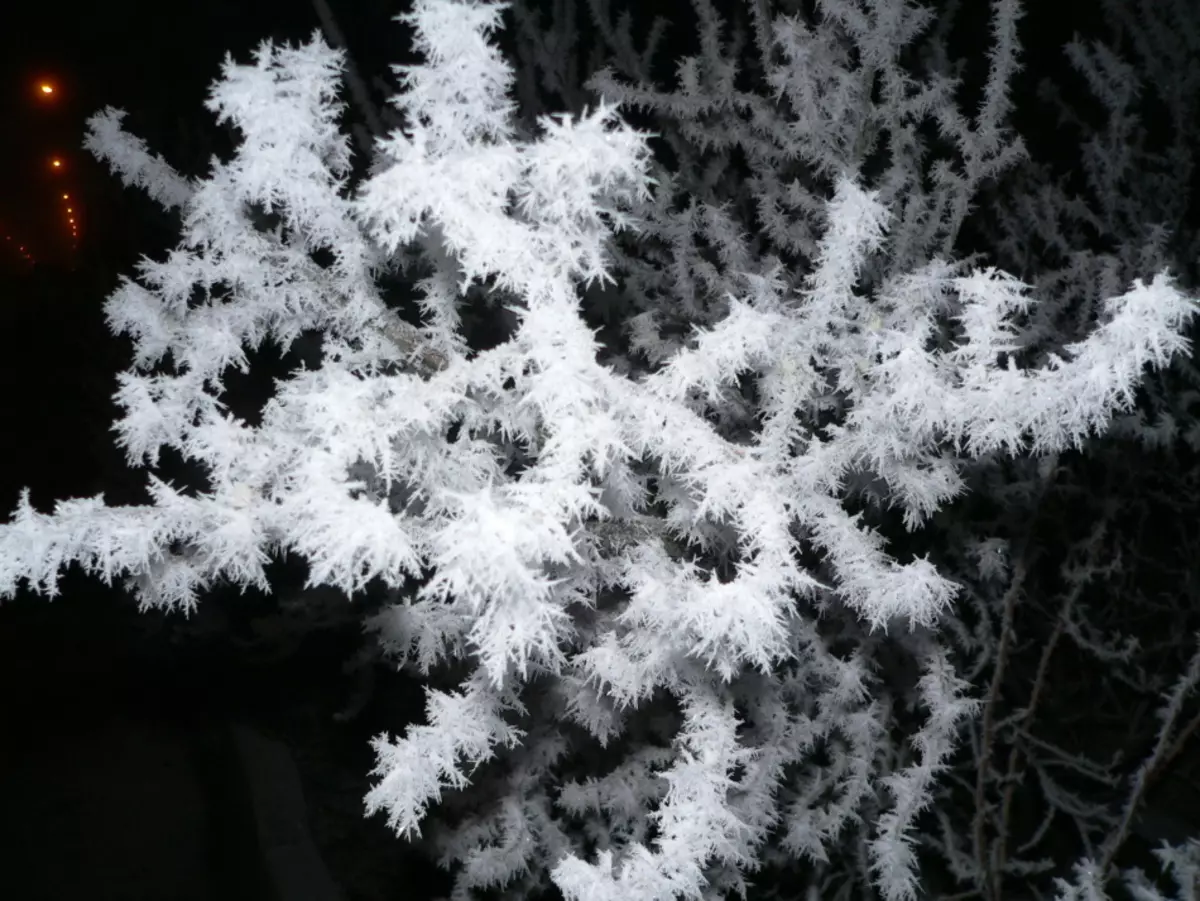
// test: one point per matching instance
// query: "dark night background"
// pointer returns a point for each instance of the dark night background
(118, 771)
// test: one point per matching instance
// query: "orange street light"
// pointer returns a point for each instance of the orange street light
(66, 197)
(57, 164)
(47, 93)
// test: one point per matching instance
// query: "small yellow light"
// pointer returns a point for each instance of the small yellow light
(56, 163)
(66, 197)
(47, 88)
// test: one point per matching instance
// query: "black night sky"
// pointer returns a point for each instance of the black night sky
(155, 60)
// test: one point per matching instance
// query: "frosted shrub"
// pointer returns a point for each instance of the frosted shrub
(650, 550)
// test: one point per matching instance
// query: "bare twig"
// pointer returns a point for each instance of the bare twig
(1164, 749)
(1014, 754)
(990, 874)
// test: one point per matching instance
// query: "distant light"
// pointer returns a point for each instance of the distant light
(56, 163)
(66, 197)
(47, 89)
